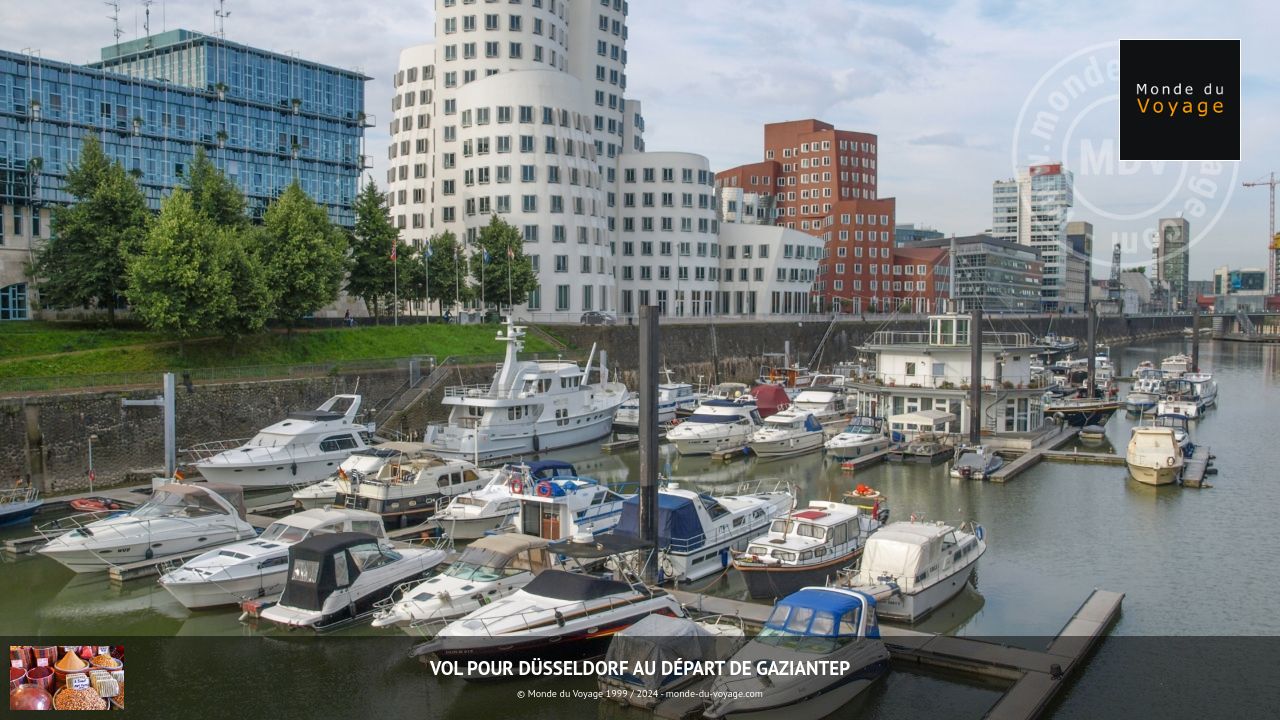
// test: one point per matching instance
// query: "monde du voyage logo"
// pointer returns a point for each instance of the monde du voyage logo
(1180, 99)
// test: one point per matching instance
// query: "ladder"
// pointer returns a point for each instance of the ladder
(817, 353)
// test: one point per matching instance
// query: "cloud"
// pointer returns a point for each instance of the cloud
(943, 139)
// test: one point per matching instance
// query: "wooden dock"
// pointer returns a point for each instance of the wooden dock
(626, 443)
(731, 454)
(1032, 457)
(1083, 457)
(1035, 676)
(1197, 467)
(854, 464)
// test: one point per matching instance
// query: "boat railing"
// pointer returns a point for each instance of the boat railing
(205, 450)
(19, 495)
(81, 521)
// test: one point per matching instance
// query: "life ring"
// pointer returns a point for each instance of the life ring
(863, 490)
(1170, 398)
(516, 484)
(1170, 460)
(543, 489)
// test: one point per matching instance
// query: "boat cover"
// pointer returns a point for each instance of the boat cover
(770, 398)
(677, 519)
(819, 611)
(315, 565)
(544, 469)
(563, 585)
(659, 639)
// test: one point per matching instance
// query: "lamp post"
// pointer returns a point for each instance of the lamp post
(92, 437)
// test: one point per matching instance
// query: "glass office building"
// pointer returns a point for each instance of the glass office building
(264, 118)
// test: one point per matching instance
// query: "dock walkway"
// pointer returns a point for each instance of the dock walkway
(1032, 457)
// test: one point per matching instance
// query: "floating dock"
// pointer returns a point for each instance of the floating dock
(1197, 467)
(1035, 676)
(857, 463)
(626, 443)
(1031, 457)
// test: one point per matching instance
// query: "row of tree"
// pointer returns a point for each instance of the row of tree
(201, 267)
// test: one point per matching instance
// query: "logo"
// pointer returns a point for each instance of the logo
(1180, 99)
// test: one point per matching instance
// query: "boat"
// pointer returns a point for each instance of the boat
(717, 425)
(1056, 345)
(1203, 387)
(1080, 411)
(871, 500)
(644, 651)
(530, 406)
(336, 578)
(975, 462)
(362, 463)
(862, 436)
(405, 493)
(1181, 431)
(729, 391)
(827, 402)
(835, 625)
(1175, 365)
(1182, 399)
(178, 518)
(1093, 434)
(912, 568)
(94, 505)
(790, 432)
(558, 615)
(488, 569)
(1153, 456)
(555, 503)
(792, 378)
(698, 532)
(473, 514)
(925, 447)
(305, 447)
(1145, 392)
(18, 504)
(258, 567)
(673, 399)
(807, 547)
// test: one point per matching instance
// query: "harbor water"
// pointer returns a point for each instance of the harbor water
(1190, 563)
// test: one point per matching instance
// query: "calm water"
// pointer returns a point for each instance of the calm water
(1054, 534)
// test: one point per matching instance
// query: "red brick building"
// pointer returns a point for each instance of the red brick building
(823, 181)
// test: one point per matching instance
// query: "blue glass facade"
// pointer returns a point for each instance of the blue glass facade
(264, 118)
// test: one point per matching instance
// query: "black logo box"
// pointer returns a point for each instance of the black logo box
(1205, 73)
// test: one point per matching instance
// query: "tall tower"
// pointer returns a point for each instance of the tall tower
(1173, 259)
(1033, 210)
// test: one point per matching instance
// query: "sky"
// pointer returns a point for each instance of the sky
(950, 86)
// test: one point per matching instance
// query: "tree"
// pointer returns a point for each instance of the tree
(84, 262)
(178, 282)
(504, 247)
(252, 300)
(448, 276)
(213, 194)
(303, 253)
(371, 273)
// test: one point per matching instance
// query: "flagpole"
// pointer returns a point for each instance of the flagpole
(395, 270)
(426, 278)
(510, 259)
(483, 262)
(457, 282)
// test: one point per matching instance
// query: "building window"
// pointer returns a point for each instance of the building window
(562, 297)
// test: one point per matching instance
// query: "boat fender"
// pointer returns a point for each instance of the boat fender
(666, 567)
(148, 554)
(559, 618)
(536, 447)
(1170, 398)
(724, 557)
(979, 532)
(1170, 460)
(544, 489)
(293, 467)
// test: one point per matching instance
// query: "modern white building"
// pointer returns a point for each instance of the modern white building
(739, 206)
(767, 269)
(1033, 209)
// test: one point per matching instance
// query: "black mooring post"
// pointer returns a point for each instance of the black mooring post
(975, 371)
(1092, 318)
(649, 439)
(1195, 337)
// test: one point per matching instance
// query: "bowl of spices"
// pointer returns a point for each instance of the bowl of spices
(78, 699)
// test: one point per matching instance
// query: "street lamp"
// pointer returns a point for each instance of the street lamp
(92, 437)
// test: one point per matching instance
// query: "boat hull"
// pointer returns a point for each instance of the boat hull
(1079, 417)
(766, 582)
(196, 595)
(278, 473)
(1155, 475)
(548, 438)
(708, 444)
(470, 528)
(816, 702)
(83, 559)
(910, 608)
(18, 512)
(787, 446)
(848, 452)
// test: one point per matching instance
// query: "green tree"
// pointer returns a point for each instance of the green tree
(371, 273)
(178, 282)
(447, 270)
(303, 253)
(504, 246)
(84, 262)
(213, 194)
(252, 300)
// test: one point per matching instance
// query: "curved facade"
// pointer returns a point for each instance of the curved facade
(410, 169)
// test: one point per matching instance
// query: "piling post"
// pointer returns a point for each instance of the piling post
(170, 426)
(1195, 337)
(975, 370)
(648, 378)
(1091, 319)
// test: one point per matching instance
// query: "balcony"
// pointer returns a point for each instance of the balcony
(920, 338)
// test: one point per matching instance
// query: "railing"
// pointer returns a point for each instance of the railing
(948, 382)
(921, 337)
(476, 390)
(204, 451)
(531, 619)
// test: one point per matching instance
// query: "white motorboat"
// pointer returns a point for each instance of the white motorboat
(789, 432)
(531, 406)
(555, 503)
(473, 514)
(490, 568)
(1153, 456)
(673, 398)
(258, 567)
(404, 493)
(729, 391)
(912, 568)
(1181, 431)
(1175, 365)
(715, 426)
(862, 436)
(335, 578)
(18, 504)
(975, 462)
(1145, 392)
(305, 447)
(806, 547)
(1181, 398)
(697, 533)
(558, 614)
(179, 518)
(1203, 388)
(641, 649)
(829, 403)
(836, 625)
(362, 463)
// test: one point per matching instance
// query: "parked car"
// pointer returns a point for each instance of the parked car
(598, 317)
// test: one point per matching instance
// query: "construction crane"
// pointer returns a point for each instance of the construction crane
(1273, 247)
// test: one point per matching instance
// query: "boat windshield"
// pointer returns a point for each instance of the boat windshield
(710, 419)
(167, 504)
(266, 439)
(861, 429)
(283, 532)
(802, 529)
(808, 630)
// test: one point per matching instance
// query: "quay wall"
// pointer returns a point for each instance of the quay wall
(45, 437)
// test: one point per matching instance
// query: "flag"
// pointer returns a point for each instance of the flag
(511, 254)
(486, 257)
(177, 475)
(428, 250)
(393, 254)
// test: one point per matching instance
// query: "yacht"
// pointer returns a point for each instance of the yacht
(18, 504)
(559, 614)
(258, 567)
(975, 462)
(179, 518)
(335, 578)
(1181, 431)
(1175, 365)
(828, 403)
(790, 432)
(404, 493)
(531, 406)
(806, 547)
(729, 391)
(697, 533)
(473, 514)
(1203, 387)
(1153, 456)
(673, 399)
(555, 503)
(488, 569)
(862, 436)
(813, 624)
(643, 683)
(1145, 392)
(361, 464)
(305, 447)
(1080, 411)
(715, 426)
(912, 568)
(1181, 399)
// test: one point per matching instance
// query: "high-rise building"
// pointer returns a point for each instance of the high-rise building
(264, 118)
(992, 274)
(1080, 242)
(1172, 260)
(822, 181)
(1032, 209)
(905, 234)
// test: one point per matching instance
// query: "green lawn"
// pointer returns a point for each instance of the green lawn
(305, 346)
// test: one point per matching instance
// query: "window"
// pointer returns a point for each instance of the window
(562, 297)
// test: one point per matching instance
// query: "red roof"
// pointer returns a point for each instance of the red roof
(810, 514)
